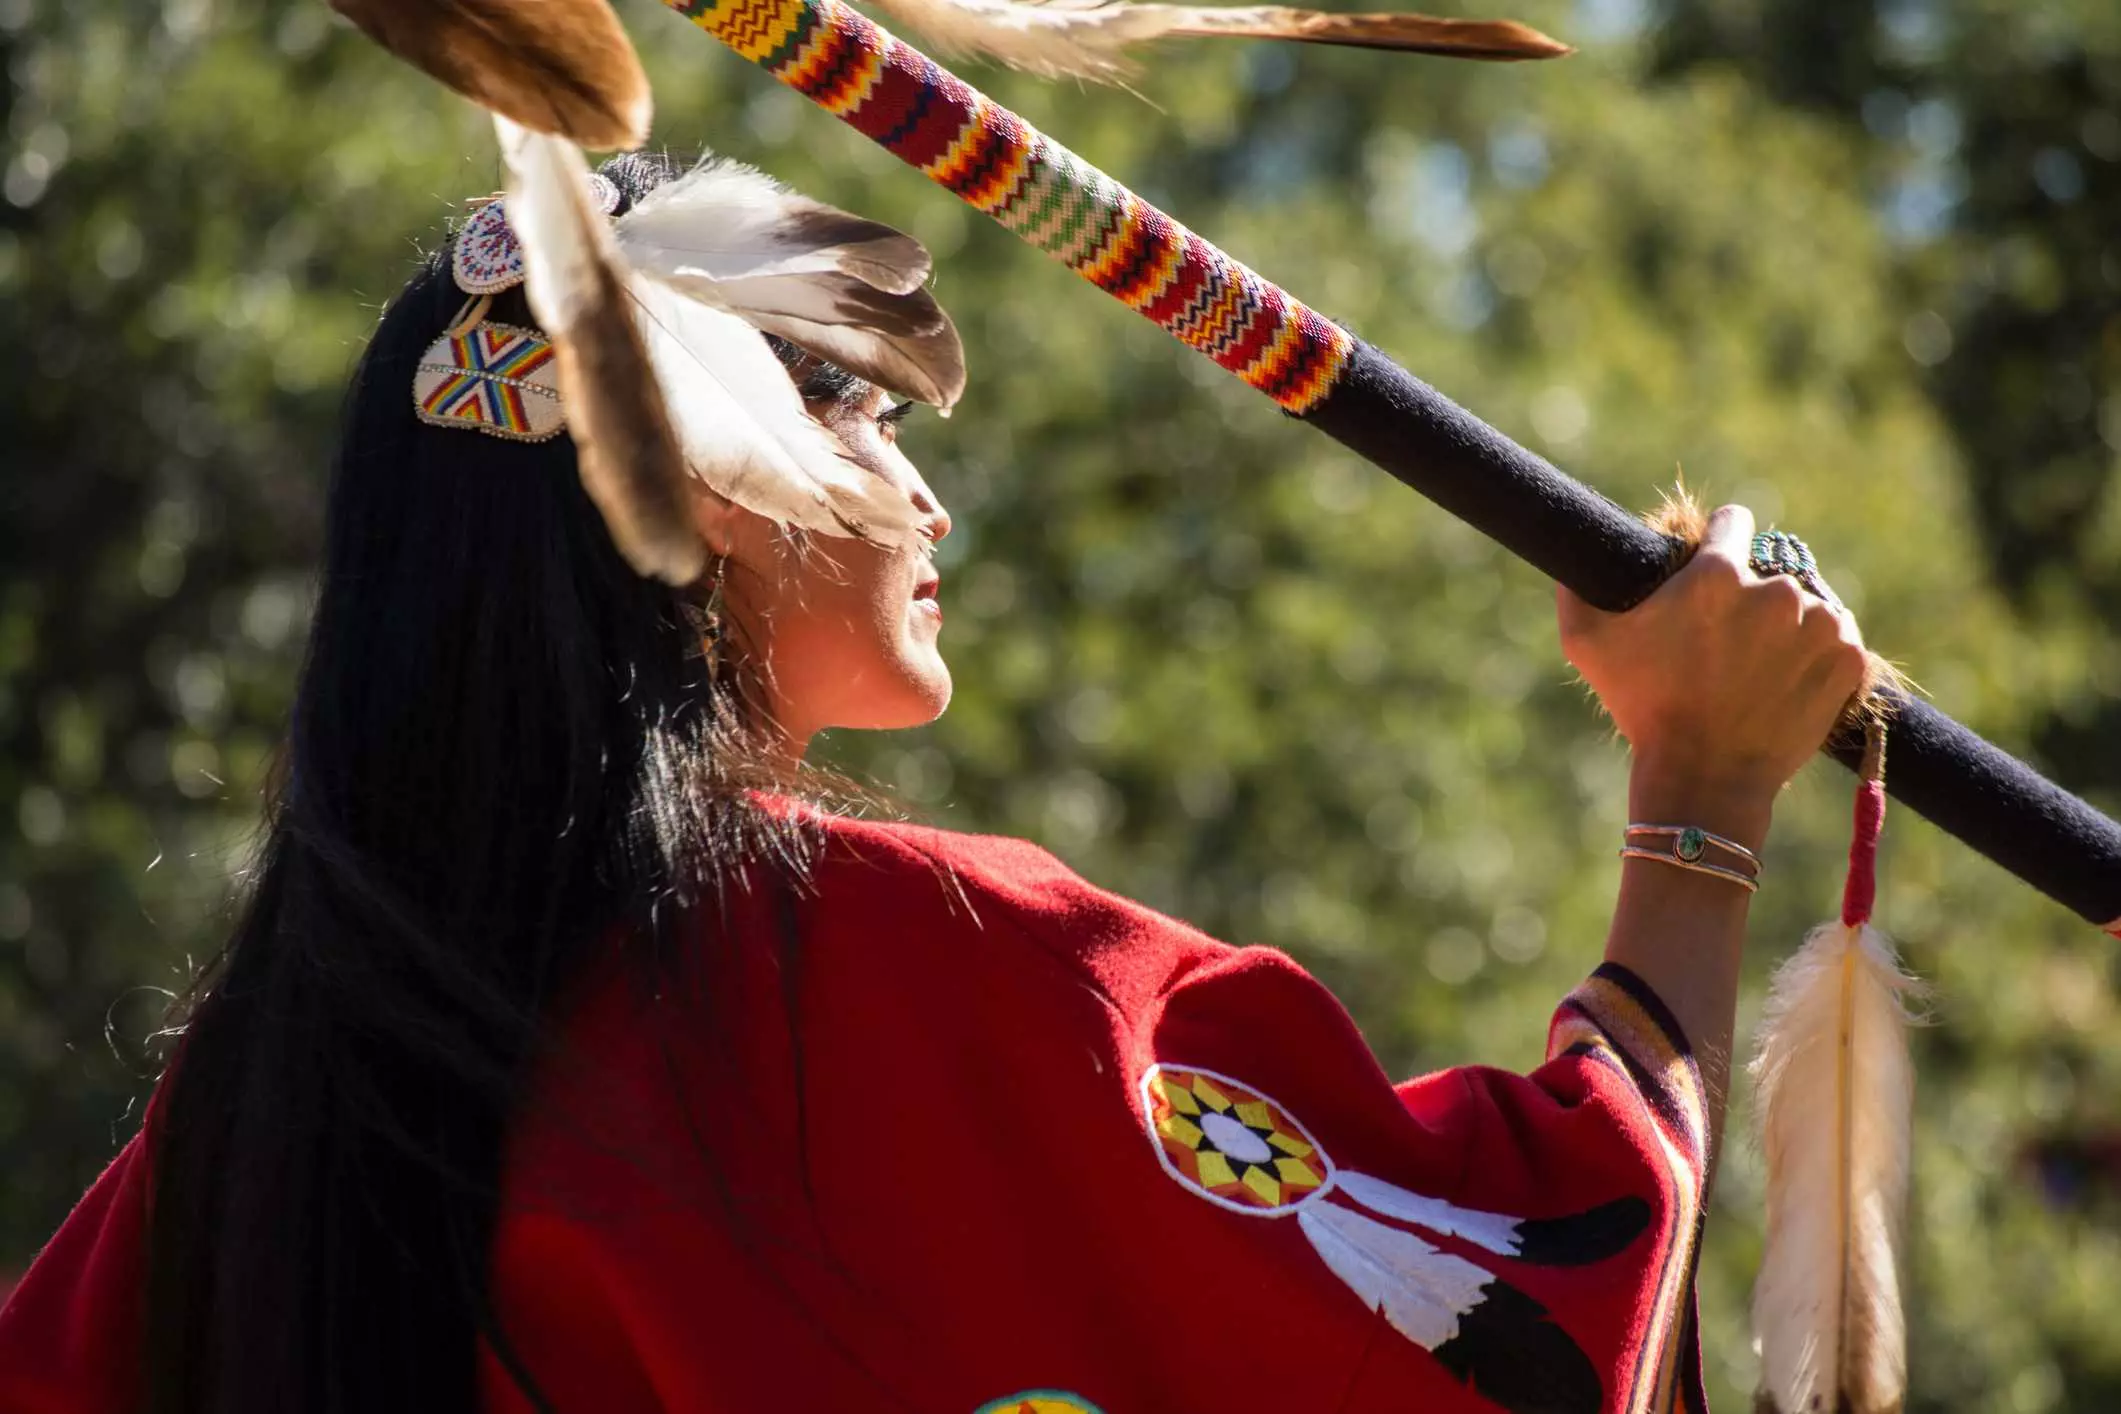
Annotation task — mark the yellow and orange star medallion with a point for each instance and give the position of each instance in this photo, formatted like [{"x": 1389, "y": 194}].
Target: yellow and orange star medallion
[
  {"x": 1231, "y": 1143},
  {"x": 1039, "y": 1401}
]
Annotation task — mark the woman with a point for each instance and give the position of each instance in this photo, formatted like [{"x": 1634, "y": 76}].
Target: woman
[{"x": 572, "y": 1053}]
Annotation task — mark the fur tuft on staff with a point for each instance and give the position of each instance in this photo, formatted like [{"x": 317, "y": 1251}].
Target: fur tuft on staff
[
  {"x": 1835, "y": 1088},
  {"x": 1094, "y": 39}
]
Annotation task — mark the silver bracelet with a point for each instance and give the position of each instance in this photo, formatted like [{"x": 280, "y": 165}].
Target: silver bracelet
[
  {"x": 1691, "y": 842},
  {"x": 1748, "y": 882},
  {"x": 1687, "y": 847}
]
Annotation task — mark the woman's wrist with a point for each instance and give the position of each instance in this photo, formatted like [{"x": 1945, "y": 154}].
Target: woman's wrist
[{"x": 1738, "y": 809}]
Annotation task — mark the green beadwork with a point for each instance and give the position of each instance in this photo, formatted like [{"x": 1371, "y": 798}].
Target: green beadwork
[{"x": 1775, "y": 552}]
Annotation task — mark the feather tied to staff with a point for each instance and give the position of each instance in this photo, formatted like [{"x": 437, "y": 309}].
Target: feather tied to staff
[
  {"x": 566, "y": 68},
  {"x": 1834, "y": 1097},
  {"x": 1070, "y": 39}
]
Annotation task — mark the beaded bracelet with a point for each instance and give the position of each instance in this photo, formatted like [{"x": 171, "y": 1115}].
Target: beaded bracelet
[{"x": 1689, "y": 846}]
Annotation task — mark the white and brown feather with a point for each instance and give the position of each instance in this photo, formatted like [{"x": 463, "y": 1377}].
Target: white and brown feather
[{"x": 839, "y": 286}]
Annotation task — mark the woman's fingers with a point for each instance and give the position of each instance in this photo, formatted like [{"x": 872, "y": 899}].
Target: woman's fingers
[
  {"x": 1729, "y": 535},
  {"x": 1722, "y": 670},
  {"x": 1721, "y": 556},
  {"x": 1848, "y": 662}
]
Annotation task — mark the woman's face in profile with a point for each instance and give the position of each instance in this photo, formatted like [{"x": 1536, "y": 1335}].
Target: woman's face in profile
[{"x": 843, "y": 633}]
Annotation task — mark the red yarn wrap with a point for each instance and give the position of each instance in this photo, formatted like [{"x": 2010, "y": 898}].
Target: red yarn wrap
[{"x": 1860, "y": 893}]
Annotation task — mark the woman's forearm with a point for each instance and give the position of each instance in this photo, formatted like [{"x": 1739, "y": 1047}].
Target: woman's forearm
[{"x": 1681, "y": 932}]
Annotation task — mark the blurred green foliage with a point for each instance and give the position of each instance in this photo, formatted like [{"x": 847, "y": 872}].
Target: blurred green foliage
[{"x": 1854, "y": 262}]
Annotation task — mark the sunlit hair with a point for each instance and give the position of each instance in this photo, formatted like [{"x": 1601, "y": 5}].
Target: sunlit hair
[{"x": 508, "y": 753}]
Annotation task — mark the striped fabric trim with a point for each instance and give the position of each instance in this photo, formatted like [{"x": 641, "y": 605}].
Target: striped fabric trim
[
  {"x": 1693, "y": 1387},
  {"x": 1617, "y": 1019},
  {"x": 1053, "y": 199}
]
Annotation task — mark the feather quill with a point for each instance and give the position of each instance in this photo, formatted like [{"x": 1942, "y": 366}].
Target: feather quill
[
  {"x": 1093, "y": 39},
  {"x": 562, "y": 67},
  {"x": 842, "y": 287},
  {"x": 1835, "y": 1083},
  {"x": 630, "y": 460}
]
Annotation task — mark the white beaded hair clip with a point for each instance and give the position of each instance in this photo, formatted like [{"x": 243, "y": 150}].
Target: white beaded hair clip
[{"x": 487, "y": 259}]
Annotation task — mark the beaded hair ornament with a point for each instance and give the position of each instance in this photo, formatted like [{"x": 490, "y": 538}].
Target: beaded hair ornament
[
  {"x": 482, "y": 375},
  {"x": 651, "y": 344}
]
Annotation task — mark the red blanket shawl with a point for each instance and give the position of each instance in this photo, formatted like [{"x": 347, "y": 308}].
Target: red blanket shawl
[{"x": 954, "y": 1131}]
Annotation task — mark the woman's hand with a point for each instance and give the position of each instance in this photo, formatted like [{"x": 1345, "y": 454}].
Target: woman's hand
[{"x": 1723, "y": 682}]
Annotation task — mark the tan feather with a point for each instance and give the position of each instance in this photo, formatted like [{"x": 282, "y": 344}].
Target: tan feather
[
  {"x": 562, "y": 67},
  {"x": 1835, "y": 1086},
  {"x": 1504, "y": 41},
  {"x": 1093, "y": 39},
  {"x": 902, "y": 343},
  {"x": 630, "y": 459},
  {"x": 726, "y": 221},
  {"x": 844, "y": 288}
]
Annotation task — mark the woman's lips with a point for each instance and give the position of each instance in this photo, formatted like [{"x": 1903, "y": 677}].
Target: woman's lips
[{"x": 924, "y": 596}]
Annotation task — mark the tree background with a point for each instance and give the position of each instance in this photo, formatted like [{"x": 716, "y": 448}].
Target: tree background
[{"x": 1854, "y": 262}]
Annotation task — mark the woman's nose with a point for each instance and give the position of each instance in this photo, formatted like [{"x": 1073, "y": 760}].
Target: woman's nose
[{"x": 935, "y": 521}]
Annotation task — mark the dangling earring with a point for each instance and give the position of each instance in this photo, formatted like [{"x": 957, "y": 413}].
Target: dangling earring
[{"x": 705, "y": 615}]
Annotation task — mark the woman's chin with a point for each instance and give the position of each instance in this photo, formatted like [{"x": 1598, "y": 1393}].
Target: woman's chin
[
  {"x": 919, "y": 689},
  {"x": 931, "y": 684}
]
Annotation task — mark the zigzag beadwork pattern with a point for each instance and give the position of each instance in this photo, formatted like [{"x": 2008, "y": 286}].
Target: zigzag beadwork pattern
[
  {"x": 492, "y": 378},
  {"x": 995, "y": 161}
]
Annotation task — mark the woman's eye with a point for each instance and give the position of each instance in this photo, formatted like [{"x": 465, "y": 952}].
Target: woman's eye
[{"x": 888, "y": 420}]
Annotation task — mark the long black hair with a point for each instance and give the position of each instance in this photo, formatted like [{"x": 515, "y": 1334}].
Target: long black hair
[{"x": 506, "y": 748}]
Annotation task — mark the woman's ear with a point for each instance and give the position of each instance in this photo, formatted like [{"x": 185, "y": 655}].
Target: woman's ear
[{"x": 715, "y": 518}]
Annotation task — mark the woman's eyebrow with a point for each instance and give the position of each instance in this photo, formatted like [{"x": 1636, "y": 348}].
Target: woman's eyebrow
[{"x": 829, "y": 383}]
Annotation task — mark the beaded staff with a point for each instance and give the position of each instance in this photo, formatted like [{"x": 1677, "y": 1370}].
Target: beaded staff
[
  {"x": 1318, "y": 372},
  {"x": 997, "y": 163}
]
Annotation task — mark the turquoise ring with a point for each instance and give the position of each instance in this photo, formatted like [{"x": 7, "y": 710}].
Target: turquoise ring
[{"x": 1776, "y": 552}]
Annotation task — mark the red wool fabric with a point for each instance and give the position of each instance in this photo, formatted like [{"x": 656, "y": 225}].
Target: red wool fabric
[{"x": 952, "y": 1130}]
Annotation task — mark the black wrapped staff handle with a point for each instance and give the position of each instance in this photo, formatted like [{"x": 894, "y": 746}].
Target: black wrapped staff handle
[{"x": 1986, "y": 797}]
